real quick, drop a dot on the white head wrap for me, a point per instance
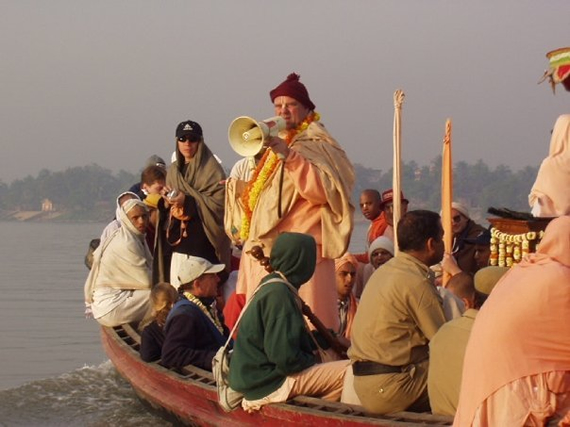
(460, 207)
(381, 242)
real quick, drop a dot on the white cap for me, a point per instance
(382, 242)
(194, 267)
(461, 208)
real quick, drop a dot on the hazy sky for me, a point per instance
(107, 82)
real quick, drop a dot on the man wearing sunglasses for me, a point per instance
(465, 231)
(197, 208)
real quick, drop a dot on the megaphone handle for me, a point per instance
(278, 146)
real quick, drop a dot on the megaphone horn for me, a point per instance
(247, 135)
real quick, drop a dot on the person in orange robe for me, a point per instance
(371, 207)
(549, 195)
(308, 191)
(387, 206)
(517, 363)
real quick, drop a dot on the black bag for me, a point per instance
(93, 244)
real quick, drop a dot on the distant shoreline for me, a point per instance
(40, 216)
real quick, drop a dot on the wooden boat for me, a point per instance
(190, 396)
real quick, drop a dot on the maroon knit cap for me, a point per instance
(295, 89)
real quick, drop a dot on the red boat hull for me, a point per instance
(191, 397)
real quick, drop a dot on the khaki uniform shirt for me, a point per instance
(447, 349)
(399, 312)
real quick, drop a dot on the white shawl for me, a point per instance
(123, 261)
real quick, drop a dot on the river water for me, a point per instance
(53, 370)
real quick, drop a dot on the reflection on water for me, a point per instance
(44, 332)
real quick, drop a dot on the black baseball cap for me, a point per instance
(189, 128)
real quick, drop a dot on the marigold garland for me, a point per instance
(212, 316)
(263, 171)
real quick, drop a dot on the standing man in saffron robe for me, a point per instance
(302, 184)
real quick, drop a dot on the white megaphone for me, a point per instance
(247, 135)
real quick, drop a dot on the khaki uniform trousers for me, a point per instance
(394, 392)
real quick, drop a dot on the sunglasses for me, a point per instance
(189, 138)
(456, 218)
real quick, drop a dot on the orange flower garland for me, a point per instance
(263, 171)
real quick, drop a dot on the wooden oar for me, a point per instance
(446, 195)
(396, 176)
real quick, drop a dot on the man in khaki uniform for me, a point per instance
(399, 312)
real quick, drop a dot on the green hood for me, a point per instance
(295, 256)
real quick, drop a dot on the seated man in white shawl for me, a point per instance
(116, 223)
(118, 286)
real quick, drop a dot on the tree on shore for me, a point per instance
(477, 185)
(89, 192)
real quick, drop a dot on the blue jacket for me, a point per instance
(190, 337)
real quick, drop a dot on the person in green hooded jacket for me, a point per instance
(274, 355)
